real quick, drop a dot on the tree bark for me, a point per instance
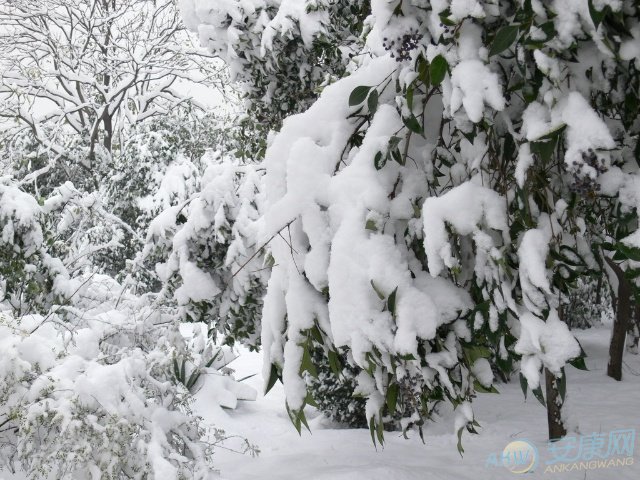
(620, 324)
(557, 429)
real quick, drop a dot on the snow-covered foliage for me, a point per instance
(205, 252)
(92, 391)
(280, 52)
(429, 211)
(96, 382)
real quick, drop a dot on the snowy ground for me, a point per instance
(596, 404)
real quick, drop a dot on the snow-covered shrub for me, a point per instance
(205, 251)
(90, 391)
(334, 392)
(589, 304)
(429, 211)
(31, 280)
(88, 371)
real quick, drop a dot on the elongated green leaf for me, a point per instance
(632, 253)
(391, 301)
(597, 15)
(579, 363)
(372, 430)
(359, 95)
(380, 430)
(460, 449)
(438, 69)
(482, 389)
(503, 39)
(413, 124)
(306, 365)
(372, 101)
(539, 396)
(392, 397)
(274, 375)
(524, 385)
(335, 363)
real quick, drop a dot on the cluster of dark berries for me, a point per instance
(402, 46)
(583, 183)
(446, 28)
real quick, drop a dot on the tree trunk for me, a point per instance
(620, 324)
(557, 429)
(108, 131)
(634, 331)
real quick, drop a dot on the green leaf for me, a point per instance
(438, 70)
(371, 225)
(392, 397)
(413, 124)
(359, 95)
(379, 161)
(477, 351)
(597, 15)
(274, 375)
(579, 363)
(334, 363)
(316, 335)
(183, 371)
(397, 156)
(503, 39)
(310, 401)
(176, 368)
(482, 389)
(524, 385)
(444, 18)
(306, 365)
(632, 253)
(391, 302)
(380, 430)
(372, 429)
(544, 149)
(409, 97)
(460, 449)
(372, 101)
(539, 396)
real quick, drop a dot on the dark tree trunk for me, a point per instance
(557, 429)
(634, 330)
(620, 324)
(108, 131)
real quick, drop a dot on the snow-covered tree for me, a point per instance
(430, 211)
(91, 68)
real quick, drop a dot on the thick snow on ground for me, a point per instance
(595, 402)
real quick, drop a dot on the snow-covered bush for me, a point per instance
(31, 280)
(429, 211)
(334, 392)
(205, 252)
(90, 387)
(89, 390)
(589, 304)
